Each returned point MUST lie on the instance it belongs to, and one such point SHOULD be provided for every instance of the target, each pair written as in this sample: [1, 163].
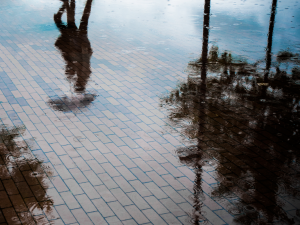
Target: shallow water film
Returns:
[150, 112]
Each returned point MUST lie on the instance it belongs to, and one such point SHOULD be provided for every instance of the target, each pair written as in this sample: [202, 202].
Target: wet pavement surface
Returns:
[149, 112]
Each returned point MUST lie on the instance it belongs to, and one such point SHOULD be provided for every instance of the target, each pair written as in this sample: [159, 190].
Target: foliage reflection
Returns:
[19, 166]
[243, 120]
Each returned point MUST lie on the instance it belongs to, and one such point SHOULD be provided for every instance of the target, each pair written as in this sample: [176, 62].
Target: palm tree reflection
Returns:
[76, 50]
[233, 126]
[17, 166]
[269, 46]
[193, 156]
[252, 138]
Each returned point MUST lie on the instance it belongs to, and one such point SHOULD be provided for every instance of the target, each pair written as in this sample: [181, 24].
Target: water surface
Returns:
[149, 112]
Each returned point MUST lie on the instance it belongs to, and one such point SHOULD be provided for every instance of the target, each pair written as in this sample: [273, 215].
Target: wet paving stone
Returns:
[149, 112]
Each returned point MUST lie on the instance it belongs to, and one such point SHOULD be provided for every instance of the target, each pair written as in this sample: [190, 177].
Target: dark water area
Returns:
[149, 112]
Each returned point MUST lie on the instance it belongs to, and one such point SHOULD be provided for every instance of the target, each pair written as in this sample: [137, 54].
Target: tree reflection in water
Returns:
[20, 168]
[242, 119]
[75, 48]
[253, 139]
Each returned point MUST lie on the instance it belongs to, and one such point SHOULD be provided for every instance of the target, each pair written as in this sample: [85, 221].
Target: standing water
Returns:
[149, 112]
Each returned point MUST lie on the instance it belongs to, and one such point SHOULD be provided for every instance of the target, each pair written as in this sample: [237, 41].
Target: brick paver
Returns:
[112, 155]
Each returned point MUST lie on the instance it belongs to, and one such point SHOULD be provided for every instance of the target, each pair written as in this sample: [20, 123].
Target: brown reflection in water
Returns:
[250, 127]
[192, 156]
[23, 182]
[269, 46]
[75, 48]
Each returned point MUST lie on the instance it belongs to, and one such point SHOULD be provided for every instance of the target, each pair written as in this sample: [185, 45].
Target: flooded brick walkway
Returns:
[181, 112]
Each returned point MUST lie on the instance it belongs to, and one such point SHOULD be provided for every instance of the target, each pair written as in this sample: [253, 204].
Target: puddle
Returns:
[177, 89]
